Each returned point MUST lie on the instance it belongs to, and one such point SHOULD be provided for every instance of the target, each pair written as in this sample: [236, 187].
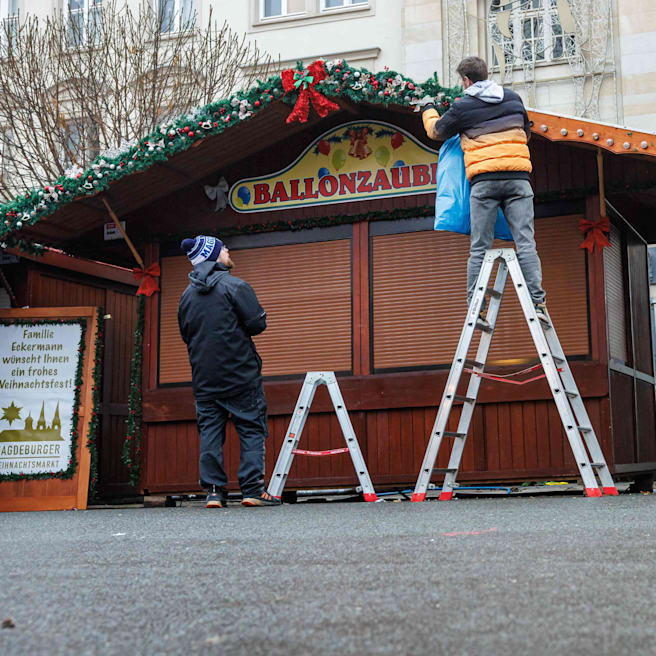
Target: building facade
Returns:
[592, 58]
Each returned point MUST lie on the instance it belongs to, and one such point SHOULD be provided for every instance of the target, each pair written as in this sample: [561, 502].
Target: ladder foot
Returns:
[592, 492]
[418, 496]
[446, 496]
[611, 491]
[370, 497]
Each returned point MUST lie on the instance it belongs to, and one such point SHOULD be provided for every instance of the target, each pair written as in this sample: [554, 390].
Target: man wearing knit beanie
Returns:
[218, 315]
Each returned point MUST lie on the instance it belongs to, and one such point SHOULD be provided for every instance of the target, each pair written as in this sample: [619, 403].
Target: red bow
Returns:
[304, 81]
[594, 233]
[147, 276]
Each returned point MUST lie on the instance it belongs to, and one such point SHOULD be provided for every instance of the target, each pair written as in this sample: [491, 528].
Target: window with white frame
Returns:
[7, 144]
[84, 22]
[280, 8]
[528, 31]
[327, 5]
[81, 142]
[175, 15]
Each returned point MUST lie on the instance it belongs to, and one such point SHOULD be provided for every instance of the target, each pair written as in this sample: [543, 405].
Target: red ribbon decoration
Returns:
[594, 233]
[147, 276]
[305, 81]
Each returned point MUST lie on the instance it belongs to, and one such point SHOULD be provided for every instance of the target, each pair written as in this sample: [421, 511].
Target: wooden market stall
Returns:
[358, 282]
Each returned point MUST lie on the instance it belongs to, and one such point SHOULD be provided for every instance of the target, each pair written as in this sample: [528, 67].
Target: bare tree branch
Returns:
[70, 89]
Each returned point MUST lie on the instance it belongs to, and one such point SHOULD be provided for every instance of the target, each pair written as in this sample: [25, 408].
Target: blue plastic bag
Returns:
[452, 198]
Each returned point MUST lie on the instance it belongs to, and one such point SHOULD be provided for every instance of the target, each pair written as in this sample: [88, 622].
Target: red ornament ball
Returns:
[191, 134]
[257, 103]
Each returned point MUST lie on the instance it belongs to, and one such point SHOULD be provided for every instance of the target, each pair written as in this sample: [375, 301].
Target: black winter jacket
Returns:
[217, 315]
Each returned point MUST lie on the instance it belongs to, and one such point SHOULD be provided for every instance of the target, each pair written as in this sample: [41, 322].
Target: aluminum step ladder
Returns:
[312, 380]
[578, 428]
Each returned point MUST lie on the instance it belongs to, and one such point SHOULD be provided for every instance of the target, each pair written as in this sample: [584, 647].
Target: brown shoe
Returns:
[264, 499]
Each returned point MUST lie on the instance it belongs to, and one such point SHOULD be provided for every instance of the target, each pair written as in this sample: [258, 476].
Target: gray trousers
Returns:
[515, 197]
[248, 413]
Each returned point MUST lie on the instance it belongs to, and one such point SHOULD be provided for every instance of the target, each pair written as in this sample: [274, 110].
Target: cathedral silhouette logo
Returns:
[29, 433]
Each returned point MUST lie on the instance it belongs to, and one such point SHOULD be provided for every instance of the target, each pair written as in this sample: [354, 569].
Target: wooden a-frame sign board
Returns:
[57, 493]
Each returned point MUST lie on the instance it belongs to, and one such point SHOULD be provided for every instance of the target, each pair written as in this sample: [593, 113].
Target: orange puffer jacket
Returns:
[494, 137]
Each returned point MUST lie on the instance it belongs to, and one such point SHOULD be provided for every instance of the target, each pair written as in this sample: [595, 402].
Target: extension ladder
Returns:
[576, 422]
[312, 380]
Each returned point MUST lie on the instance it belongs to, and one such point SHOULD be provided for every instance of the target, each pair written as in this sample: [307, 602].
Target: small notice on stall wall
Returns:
[112, 232]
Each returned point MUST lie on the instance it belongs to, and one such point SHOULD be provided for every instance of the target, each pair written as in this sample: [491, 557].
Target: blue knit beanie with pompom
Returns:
[202, 248]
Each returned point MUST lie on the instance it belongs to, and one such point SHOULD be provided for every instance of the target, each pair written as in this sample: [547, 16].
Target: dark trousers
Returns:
[248, 413]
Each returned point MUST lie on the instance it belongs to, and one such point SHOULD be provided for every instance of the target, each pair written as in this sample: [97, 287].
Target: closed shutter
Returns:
[174, 364]
[419, 297]
[306, 292]
[615, 286]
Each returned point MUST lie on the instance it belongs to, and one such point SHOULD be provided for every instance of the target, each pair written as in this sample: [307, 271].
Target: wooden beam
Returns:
[80, 265]
[128, 241]
[614, 138]
[602, 187]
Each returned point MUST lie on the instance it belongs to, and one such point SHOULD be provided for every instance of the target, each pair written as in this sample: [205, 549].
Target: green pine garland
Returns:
[92, 435]
[133, 431]
[72, 463]
[358, 85]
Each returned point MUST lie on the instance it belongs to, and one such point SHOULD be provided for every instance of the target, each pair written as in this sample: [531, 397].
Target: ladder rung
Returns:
[454, 434]
[490, 291]
[598, 465]
[557, 359]
[443, 470]
[585, 429]
[483, 328]
[464, 399]
[570, 394]
[474, 364]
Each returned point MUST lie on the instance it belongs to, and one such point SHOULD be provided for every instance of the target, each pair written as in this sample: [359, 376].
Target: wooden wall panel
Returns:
[507, 441]
[640, 306]
[623, 418]
[645, 429]
[306, 291]
[52, 289]
[419, 297]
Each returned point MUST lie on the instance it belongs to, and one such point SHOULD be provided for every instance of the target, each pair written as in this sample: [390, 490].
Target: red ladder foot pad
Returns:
[370, 497]
[418, 496]
[592, 492]
[611, 491]
[446, 496]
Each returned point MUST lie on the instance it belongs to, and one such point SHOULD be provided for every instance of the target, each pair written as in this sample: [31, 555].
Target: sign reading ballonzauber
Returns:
[360, 160]
[38, 368]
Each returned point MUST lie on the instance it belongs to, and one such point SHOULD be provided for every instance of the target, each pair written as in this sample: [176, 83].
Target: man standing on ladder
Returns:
[494, 131]
[217, 315]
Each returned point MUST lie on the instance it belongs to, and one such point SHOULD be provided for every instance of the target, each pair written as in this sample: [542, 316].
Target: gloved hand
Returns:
[423, 103]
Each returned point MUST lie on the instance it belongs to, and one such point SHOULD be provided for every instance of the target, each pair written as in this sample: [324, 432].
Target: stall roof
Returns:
[218, 135]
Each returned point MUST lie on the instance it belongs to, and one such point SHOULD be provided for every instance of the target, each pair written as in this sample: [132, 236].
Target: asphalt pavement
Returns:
[502, 576]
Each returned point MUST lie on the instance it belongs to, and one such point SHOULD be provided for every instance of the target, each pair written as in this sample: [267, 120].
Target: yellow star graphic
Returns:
[11, 413]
